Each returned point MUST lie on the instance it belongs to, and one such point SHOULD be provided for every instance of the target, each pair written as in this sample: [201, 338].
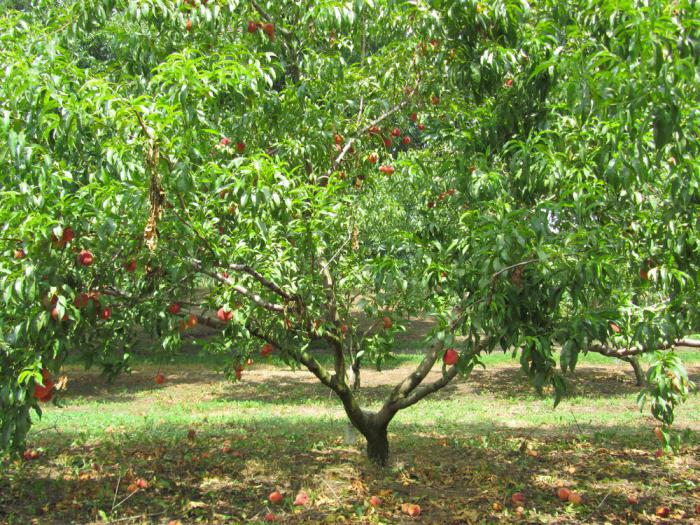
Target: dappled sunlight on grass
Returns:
[212, 451]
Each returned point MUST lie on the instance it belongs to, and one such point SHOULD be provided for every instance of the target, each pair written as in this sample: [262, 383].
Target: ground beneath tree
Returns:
[212, 451]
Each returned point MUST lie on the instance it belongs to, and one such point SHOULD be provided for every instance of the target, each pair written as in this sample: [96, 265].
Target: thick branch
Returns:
[637, 350]
[408, 391]
[304, 358]
[416, 377]
[424, 390]
[336, 344]
[328, 286]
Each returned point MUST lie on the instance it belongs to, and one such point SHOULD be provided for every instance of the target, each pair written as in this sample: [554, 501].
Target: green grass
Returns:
[464, 449]
[409, 354]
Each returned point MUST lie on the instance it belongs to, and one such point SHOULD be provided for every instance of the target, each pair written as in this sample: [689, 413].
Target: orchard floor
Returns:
[211, 451]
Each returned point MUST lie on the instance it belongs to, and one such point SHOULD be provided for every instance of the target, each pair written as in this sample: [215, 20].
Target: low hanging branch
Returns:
[302, 356]
[638, 350]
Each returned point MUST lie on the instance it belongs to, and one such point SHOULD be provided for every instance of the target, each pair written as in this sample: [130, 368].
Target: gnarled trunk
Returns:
[377, 444]
[372, 426]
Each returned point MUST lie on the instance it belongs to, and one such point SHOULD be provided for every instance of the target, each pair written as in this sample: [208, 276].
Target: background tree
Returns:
[311, 176]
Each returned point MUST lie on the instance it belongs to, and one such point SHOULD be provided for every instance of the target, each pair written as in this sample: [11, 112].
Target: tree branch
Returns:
[423, 390]
[257, 299]
[328, 286]
[414, 378]
[628, 352]
[310, 362]
[266, 16]
[516, 265]
[244, 268]
[352, 140]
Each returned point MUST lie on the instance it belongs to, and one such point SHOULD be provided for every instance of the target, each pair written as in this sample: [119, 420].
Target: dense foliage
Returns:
[314, 175]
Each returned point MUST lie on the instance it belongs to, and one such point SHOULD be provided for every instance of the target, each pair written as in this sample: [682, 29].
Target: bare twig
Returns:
[575, 421]
[130, 518]
[125, 499]
[54, 427]
[116, 491]
[325, 266]
[517, 265]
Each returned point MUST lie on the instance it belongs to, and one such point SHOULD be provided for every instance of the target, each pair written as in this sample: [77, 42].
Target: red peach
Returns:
[68, 234]
[224, 315]
[451, 357]
[563, 494]
[85, 257]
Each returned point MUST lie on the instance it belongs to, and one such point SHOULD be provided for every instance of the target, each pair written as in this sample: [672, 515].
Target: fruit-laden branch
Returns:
[257, 299]
[335, 382]
[352, 140]
[266, 16]
[310, 362]
[302, 356]
[637, 350]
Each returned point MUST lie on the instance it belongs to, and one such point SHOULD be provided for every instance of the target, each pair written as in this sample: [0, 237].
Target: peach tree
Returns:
[307, 178]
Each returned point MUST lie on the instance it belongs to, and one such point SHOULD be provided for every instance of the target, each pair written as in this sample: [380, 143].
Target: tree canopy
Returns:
[313, 176]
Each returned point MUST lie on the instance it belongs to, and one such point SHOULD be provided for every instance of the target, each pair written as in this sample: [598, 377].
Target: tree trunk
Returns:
[378, 445]
[350, 431]
[638, 373]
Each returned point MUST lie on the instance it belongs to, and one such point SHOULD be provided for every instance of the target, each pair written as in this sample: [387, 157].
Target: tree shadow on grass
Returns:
[456, 473]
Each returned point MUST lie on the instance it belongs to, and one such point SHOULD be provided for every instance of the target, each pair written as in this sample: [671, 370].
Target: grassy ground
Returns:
[212, 451]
